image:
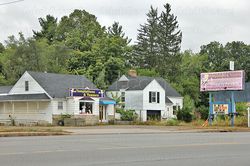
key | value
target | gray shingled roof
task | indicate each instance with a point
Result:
(167, 100)
(24, 97)
(140, 82)
(58, 85)
(5, 89)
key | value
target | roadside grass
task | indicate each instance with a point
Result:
(30, 131)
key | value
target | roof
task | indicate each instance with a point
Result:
(86, 98)
(239, 96)
(167, 100)
(58, 85)
(140, 82)
(24, 97)
(106, 99)
(5, 89)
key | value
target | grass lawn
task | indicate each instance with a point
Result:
(7, 131)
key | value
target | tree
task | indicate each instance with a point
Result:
(80, 30)
(159, 43)
(48, 31)
(147, 41)
(169, 38)
(116, 31)
(217, 57)
(2, 48)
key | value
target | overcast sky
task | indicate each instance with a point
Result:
(201, 21)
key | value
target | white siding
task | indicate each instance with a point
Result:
(134, 100)
(55, 109)
(155, 87)
(110, 109)
(177, 101)
(27, 111)
(19, 87)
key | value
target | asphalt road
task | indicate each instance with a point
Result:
(166, 149)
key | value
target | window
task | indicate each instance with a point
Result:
(60, 105)
(26, 85)
(154, 97)
(123, 97)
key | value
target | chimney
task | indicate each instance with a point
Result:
(132, 73)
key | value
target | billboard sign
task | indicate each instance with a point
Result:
(85, 92)
(220, 109)
(221, 81)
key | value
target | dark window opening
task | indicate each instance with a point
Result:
(26, 85)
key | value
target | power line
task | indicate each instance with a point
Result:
(11, 2)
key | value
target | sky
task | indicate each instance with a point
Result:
(201, 21)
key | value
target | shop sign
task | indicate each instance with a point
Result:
(85, 92)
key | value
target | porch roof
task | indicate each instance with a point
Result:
(24, 97)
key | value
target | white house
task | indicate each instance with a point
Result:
(38, 96)
(150, 97)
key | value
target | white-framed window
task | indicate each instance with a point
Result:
(60, 105)
(123, 97)
(26, 85)
(154, 97)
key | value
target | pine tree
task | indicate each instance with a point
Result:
(169, 38)
(147, 47)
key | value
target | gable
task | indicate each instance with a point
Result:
(123, 78)
(19, 87)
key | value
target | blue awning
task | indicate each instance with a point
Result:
(107, 102)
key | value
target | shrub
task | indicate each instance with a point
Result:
(185, 115)
(127, 115)
(172, 122)
(204, 111)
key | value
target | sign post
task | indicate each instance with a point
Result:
(248, 116)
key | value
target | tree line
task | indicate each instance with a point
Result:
(79, 44)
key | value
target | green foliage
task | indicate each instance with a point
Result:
(2, 48)
(185, 115)
(159, 43)
(241, 108)
(127, 115)
(147, 72)
(172, 122)
(203, 110)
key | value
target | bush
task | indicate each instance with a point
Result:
(204, 111)
(127, 115)
(172, 122)
(185, 115)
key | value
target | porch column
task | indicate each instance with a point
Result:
(4, 109)
(27, 106)
(37, 106)
(13, 107)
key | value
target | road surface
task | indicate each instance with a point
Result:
(166, 149)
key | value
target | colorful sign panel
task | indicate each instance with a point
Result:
(220, 108)
(85, 92)
(220, 81)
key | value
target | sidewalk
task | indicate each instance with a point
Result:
(143, 129)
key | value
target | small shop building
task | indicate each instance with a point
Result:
(151, 98)
(40, 96)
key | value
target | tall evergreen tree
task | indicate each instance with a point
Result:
(116, 30)
(169, 38)
(147, 45)
(159, 43)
